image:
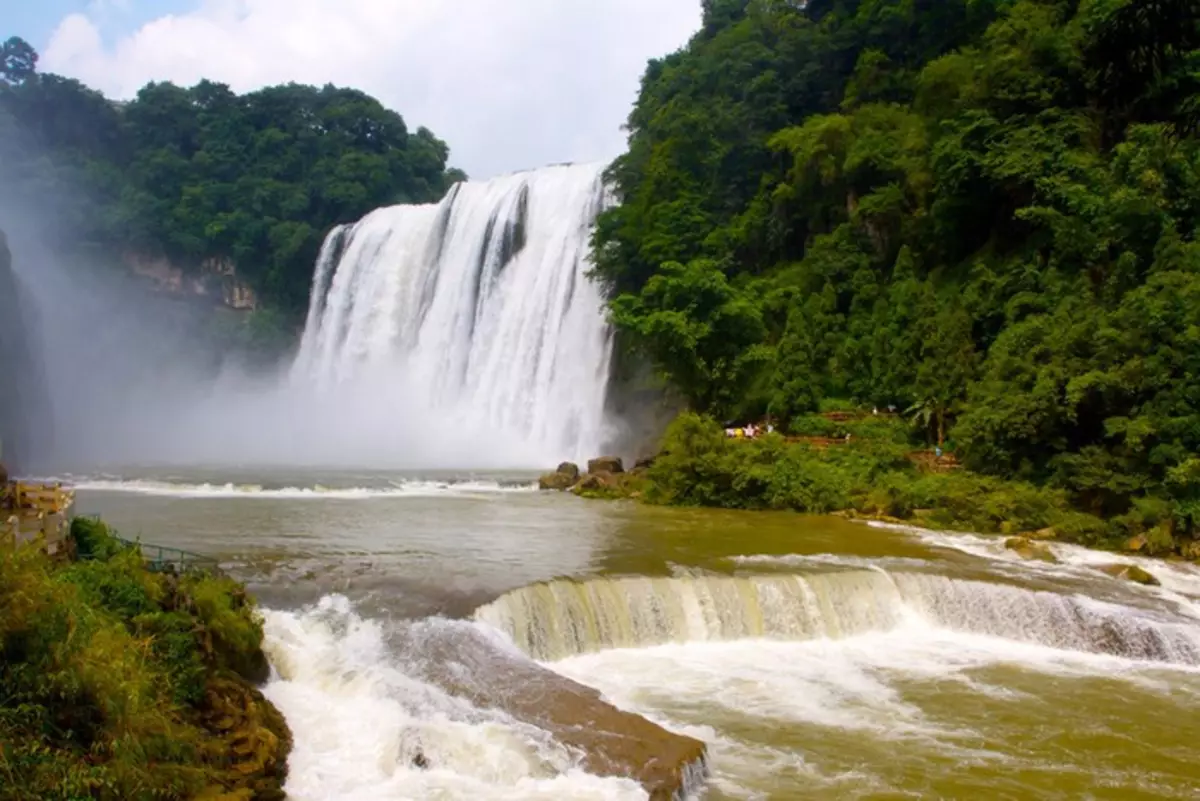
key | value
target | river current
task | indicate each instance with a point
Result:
(815, 657)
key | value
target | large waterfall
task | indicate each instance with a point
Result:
(477, 312)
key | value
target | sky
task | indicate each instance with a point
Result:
(508, 84)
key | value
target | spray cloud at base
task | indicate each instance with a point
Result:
(464, 334)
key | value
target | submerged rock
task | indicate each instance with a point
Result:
(606, 464)
(1130, 573)
(610, 741)
(1030, 550)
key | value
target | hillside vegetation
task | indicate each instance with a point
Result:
(980, 212)
(204, 173)
(119, 684)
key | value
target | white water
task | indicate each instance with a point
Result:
(360, 718)
(399, 489)
(477, 311)
(560, 619)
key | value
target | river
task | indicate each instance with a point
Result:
(816, 658)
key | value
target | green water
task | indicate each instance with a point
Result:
(920, 709)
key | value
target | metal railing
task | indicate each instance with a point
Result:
(161, 559)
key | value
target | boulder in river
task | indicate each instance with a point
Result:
(1028, 549)
(597, 481)
(558, 480)
(1130, 573)
(606, 464)
(569, 469)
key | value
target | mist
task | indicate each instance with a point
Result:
(135, 381)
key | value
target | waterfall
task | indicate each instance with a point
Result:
(477, 310)
(563, 618)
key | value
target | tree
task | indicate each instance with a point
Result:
(18, 61)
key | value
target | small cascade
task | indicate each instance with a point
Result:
(563, 618)
(477, 309)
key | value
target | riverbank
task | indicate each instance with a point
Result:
(122, 683)
(871, 475)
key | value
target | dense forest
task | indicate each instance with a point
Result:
(980, 212)
(200, 173)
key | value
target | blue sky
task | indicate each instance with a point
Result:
(35, 20)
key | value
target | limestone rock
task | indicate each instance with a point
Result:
(1137, 543)
(556, 481)
(1130, 573)
(596, 481)
(1030, 550)
(569, 469)
(606, 464)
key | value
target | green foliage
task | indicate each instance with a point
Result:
(108, 676)
(700, 466)
(204, 176)
(981, 212)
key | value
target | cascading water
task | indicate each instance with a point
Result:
(564, 618)
(478, 309)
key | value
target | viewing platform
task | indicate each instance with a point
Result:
(32, 511)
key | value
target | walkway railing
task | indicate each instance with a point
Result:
(161, 559)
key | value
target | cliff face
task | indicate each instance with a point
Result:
(216, 280)
(24, 425)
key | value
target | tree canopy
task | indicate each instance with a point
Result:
(985, 210)
(204, 173)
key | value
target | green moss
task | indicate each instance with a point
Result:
(120, 683)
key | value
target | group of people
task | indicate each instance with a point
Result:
(750, 431)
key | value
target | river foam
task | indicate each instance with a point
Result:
(364, 722)
(397, 489)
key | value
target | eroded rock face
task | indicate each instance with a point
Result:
(1130, 573)
(1028, 549)
(614, 743)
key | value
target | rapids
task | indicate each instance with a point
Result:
(462, 636)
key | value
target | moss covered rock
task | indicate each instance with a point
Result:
(1030, 550)
(606, 464)
(1130, 573)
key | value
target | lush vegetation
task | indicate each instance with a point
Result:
(118, 683)
(980, 211)
(204, 176)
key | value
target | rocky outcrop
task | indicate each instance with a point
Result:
(1030, 550)
(215, 279)
(562, 479)
(1130, 573)
(606, 464)
(610, 741)
(251, 742)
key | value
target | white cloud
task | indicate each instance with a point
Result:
(509, 84)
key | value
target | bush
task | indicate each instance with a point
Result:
(110, 673)
(700, 466)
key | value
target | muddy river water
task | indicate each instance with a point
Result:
(814, 657)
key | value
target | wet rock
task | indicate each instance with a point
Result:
(1030, 550)
(596, 482)
(419, 761)
(1130, 573)
(569, 469)
(252, 740)
(610, 741)
(556, 481)
(1190, 550)
(1047, 533)
(644, 463)
(1136, 544)
(606, 464)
